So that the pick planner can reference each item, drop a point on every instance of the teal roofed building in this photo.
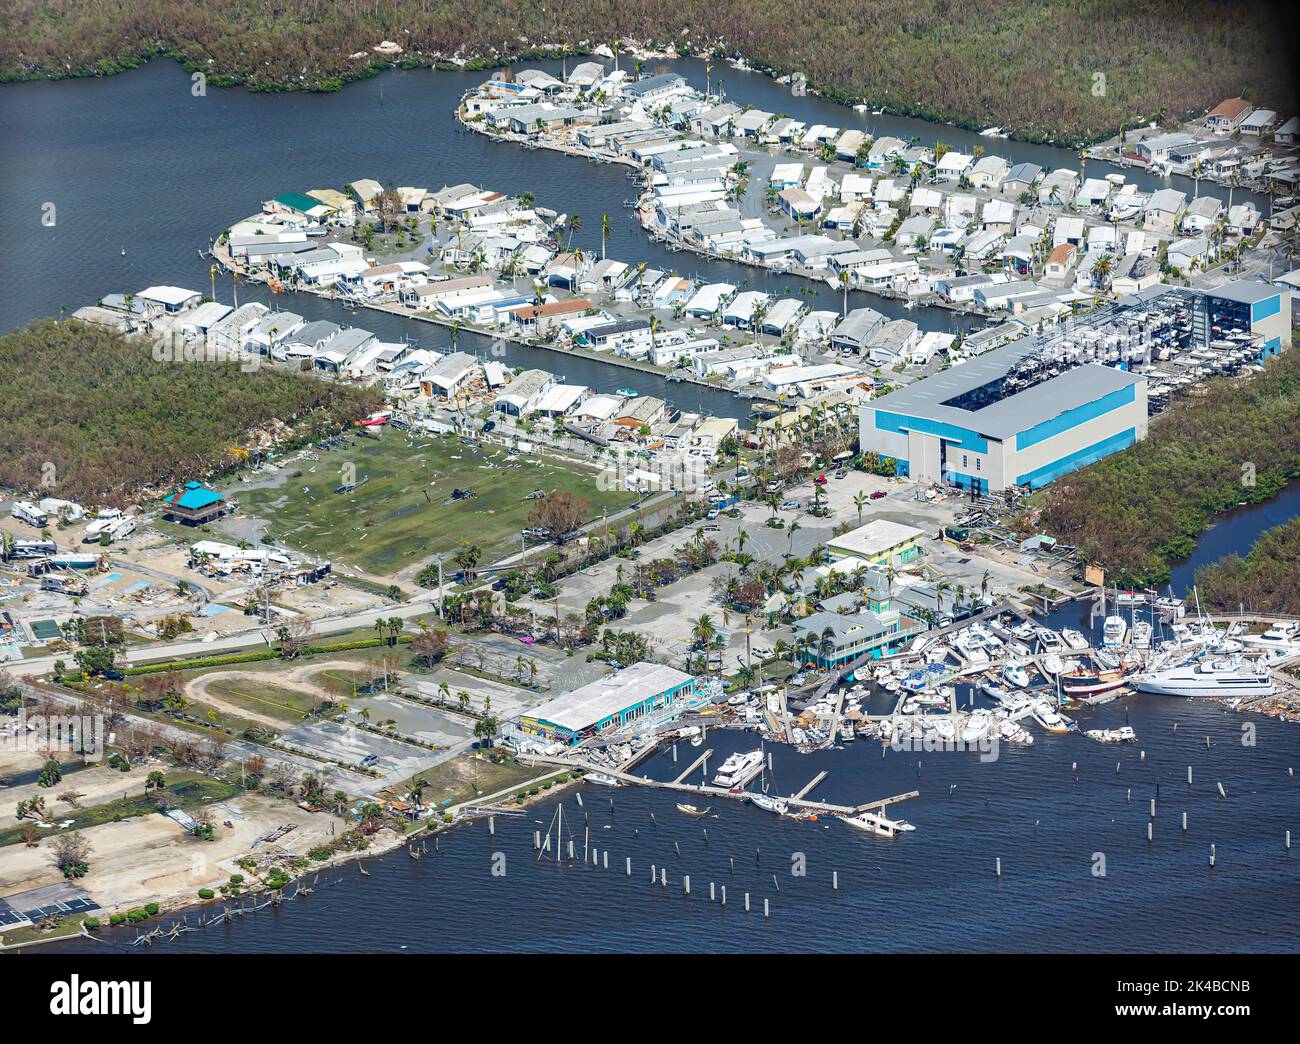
(297, 203)
(194, 503)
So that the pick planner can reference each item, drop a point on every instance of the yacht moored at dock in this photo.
(1207, 678)
(738, 769)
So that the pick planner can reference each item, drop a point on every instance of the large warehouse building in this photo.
(963, 427)
(607, 704)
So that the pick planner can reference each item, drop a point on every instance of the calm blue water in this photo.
(933, 890)
(136, 161)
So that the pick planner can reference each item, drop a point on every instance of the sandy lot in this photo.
(143, 859)
(98, 785)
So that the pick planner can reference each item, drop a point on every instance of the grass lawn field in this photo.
(402, 513)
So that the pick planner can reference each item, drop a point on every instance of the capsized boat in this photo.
(1123, 734)
(874, 823)
(691, 810)
(769, 804)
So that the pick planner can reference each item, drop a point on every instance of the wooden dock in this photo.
(694, 765)
(704, 790)
(811, 783)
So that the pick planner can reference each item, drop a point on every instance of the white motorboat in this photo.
(971, 649)
(1047, 716)
(1074, 639)
(943, 728)
(1047, 638)
(1024, 631)
(1051, 665)
(1279, 636)
(1113, 631)
(1142, 634)
(1016, 675)
(1207, 678)
(1123, 734)
(737, 769)
(874, 823)
(601, 778)
(1014, 732)
(977, 726)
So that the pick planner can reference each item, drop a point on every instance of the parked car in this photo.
(876, 494)
(789, 505)
(841, 473)
(712, 515)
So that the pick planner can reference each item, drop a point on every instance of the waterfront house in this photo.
(642, 412)
(952, 165)
(891, 343)
(365, 191)
(297, 203)
(545, 319)
(1156, 149)
(654, 88)
(170, 299)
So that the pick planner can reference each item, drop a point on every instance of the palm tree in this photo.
(859, 502)
(575, 223)
(704, 630)
(604, 233)
(791, 531)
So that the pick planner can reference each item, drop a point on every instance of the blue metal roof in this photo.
(195, 495)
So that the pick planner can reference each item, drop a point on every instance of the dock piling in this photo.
(766, 914)
(997, 868)
(629, 866)
(746, 902)
(1212, 855)
(835, 880)
(686, 884)
(1184, 822)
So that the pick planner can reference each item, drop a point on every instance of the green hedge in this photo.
(255, 657)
